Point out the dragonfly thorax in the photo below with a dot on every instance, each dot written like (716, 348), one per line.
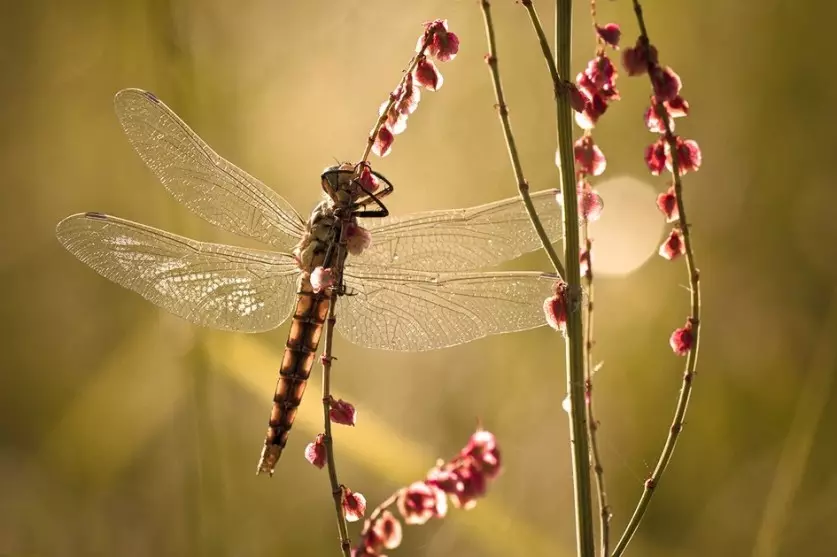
(322, 233)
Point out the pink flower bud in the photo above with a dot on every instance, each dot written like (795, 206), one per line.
(443, 45)
(388, 530)
(637, 59)
(682, 339)
(609, 33)
(383, 142)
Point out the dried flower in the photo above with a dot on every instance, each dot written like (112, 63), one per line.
(354, 505)
(673, 246)
(342, 412)
(315, 452)
(321, 279)
(421, 501)
(428, 75)
(482, 446)
(682, 339)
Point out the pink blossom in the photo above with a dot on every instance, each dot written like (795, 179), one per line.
(655, 156)
(383, 141)
(673, 246)
(589, 158)
(667, 203)
(354, 505)
(636, 60)
(419, 502)
(342, 412)
(315, 452)
(388, 530)
(443, 45)
(555, 308)
(689, 156)
(428, 75)
(321, 279)
(357, 239)
(666, 84)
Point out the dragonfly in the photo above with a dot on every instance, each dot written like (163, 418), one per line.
(419, 285)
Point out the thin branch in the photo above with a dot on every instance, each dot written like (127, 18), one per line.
(694, 318)
(592, 423)
(503, 111)
(327, 358)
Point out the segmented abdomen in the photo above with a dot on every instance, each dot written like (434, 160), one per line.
(300, 352)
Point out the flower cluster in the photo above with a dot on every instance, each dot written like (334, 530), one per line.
(438, 43)
(670, 151)
(463, 479)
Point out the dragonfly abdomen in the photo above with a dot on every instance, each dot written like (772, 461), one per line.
(300, 353)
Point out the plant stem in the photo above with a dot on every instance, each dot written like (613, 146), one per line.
(592, 423)
(503, 111)
(694, 318)
(336, 487)
(393, 97)
(575, 332)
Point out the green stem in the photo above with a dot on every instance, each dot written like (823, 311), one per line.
(503, 111)
(575, 332)
(694, 318)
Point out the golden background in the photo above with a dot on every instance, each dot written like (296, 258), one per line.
(124, 431)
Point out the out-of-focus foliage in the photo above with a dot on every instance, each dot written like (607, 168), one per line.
(126, 431)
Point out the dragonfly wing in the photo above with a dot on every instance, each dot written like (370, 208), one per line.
(212, 285)
(414, 311)
(212, 187)
(460, 239)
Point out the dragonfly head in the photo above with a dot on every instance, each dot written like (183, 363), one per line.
(342, 183)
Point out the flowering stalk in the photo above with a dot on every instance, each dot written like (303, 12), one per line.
(503, 112)
(443, 46)
(680, 156)
(463, 480)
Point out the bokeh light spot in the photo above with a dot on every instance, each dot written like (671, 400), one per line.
(630, 229)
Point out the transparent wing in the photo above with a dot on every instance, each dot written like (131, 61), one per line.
(213, 285)
(460, 239)
(212, 187)
(414, 311)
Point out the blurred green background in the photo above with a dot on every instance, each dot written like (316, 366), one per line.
(126, 431)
